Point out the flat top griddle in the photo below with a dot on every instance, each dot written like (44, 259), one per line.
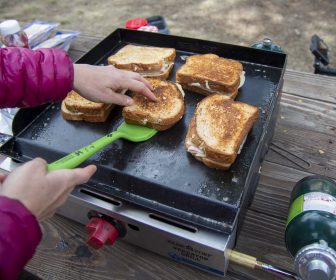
(159, 174)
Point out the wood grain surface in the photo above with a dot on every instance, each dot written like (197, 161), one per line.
(305, 128)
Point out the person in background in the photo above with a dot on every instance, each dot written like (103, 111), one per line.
(30, 193)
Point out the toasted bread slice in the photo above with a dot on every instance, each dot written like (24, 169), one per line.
(147, 61)
(209, 74)
(76, 103)
(218, 130)
(159, 115)
(77, 108)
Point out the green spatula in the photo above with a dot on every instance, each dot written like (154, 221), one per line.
(131, 132)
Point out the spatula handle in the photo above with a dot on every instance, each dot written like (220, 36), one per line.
(76, 158)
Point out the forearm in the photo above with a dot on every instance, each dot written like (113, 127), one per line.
(19, 236)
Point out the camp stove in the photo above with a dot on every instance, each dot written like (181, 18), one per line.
(154, 194)
(178, 240)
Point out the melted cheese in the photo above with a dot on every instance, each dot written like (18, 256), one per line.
(207, 87)
(242, 79)
(195, 150)
(164, 68)
(241, 145)
(180, 89)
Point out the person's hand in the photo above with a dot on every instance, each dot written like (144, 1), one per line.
(42, 192)
(104, 84)
(2, 177)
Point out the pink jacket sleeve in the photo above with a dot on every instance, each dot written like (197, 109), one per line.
(30, 78)
(19, 235)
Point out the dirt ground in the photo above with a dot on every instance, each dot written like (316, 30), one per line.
(288, 23)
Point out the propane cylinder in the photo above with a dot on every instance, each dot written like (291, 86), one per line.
(267, 44)
(311, 228)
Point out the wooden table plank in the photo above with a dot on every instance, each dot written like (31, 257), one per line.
(274, 189)
(262, 236)
(318, 87)
(305, 126)
(82, 44)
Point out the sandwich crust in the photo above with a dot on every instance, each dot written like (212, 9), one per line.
(93, 117)
(218, 129)
(159, 115)
(211, 74)
(77, 108)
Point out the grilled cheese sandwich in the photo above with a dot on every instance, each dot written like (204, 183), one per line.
(218, 130)
(209, 74)
(162, 114)
(147, 61)
(76, 108)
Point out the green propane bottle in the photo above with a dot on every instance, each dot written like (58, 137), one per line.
(268, 45)
(311, 228)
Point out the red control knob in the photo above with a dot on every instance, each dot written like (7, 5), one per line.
(101, 232)
(136, 23)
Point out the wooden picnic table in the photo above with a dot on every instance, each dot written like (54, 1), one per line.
(306, 127)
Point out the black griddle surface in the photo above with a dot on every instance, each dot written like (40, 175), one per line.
(159, 174)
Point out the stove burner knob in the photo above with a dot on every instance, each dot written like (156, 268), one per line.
(101, 232)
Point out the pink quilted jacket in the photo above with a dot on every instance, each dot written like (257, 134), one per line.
(27, 78)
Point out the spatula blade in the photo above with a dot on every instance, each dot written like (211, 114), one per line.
(136, 133)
